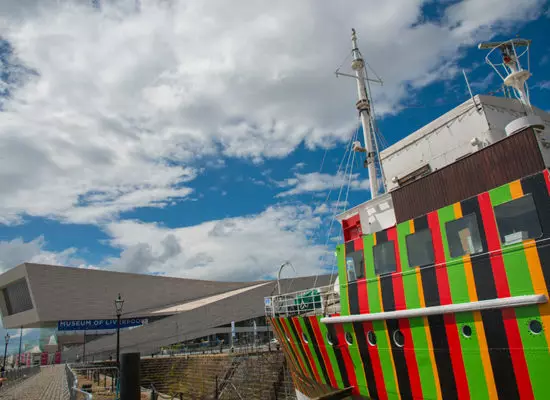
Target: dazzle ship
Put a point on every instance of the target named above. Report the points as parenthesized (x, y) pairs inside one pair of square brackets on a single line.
[(443, 275)]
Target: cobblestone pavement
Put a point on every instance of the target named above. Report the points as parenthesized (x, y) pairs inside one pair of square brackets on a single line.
[(49, 384)]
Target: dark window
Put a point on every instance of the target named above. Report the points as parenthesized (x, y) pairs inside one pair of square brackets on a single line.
[(17, 297), (463, 236), (384, 258), (420, 248), (518, 220), (355, 262)]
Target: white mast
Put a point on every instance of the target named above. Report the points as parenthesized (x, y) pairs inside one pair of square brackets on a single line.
[(363, 106)]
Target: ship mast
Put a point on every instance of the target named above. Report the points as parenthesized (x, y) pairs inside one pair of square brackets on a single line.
[(365, 113)]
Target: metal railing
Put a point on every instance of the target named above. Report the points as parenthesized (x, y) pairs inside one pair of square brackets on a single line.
[(16, 375), (315, 301), (75, 392)]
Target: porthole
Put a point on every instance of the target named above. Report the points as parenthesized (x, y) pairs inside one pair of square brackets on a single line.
[(304, 337), (287, 338), (466, 331), (349, 338), (329, 339), (399, 338), (371, 338), (535, 327)]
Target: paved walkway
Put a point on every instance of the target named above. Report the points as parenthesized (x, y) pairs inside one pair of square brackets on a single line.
[(49, 384)]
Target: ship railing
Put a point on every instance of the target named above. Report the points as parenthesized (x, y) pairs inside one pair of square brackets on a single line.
[(315, 301)]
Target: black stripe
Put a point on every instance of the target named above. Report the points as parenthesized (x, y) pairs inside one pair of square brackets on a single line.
[(316, 345), (338, 354), (421, 223), (442, 357), (495, 333), (365, 356), (386, 284), (381, 237), (399, 362), (301, 347), (536, 185), (353, 298), (499, 353)]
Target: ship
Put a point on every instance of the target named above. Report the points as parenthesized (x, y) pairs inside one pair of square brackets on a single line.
[(443, 275)]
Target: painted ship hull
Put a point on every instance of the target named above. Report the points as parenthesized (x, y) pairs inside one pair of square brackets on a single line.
[(450, 330)]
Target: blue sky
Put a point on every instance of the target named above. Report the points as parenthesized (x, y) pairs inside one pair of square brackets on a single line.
[(187, 139)]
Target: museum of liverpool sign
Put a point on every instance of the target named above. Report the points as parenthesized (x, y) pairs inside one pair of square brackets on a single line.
[(99, 324)]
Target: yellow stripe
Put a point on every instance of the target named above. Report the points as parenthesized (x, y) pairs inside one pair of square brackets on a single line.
[(485, 360), (470, 278), (411, 226), (539, 285), (515, 189), (428, 334)]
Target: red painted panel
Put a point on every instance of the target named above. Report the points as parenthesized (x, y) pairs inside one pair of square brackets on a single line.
[(350, 369), (376, 365), (322, 347)]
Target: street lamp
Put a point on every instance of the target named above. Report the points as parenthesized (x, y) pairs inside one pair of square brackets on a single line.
[(119, 302), (7, 338)]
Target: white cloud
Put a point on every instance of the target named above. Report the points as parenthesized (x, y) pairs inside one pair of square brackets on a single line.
[(123, 103), (319, 182), (17, 251), (242, 248)]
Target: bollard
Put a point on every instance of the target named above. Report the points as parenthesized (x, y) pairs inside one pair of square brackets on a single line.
[(129, 376)]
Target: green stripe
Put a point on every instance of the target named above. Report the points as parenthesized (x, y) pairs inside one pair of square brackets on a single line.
[(470, 347), (359, 368), (331, 354), (384, 351), (343, 279), (418, 332), (372, 282), (312, 350), (535, 347)]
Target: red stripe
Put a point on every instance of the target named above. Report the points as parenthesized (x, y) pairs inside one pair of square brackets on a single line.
[(503, 290), (493, 245), (322, 347), (546, 174), (376, 364), (400, 304), (350, 369), (362, 283), (309, 356), (444, 290)]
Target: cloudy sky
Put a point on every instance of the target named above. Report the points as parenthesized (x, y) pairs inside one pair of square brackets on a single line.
[(203, 139)]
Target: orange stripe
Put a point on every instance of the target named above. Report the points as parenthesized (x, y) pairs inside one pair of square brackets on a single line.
[(539, 286), (516, 190), (428, 334), (470, 278)]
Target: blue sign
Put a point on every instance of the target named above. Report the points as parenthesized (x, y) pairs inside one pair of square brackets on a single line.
[(98, 324)]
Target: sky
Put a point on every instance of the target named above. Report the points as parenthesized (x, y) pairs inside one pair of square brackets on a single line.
[(204, 139)]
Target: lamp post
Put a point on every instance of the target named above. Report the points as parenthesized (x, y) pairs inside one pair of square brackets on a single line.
[(119, 302), (7, 338), (20, 342)]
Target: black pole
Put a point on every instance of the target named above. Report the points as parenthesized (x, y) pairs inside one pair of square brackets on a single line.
[(117, 340), (5, 354), (129, 377), (20, 340), (84, 350)]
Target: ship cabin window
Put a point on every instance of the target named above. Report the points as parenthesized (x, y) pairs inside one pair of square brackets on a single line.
[(463, 236), (518, 220), (355, 265), (420, 248), (384, 258)]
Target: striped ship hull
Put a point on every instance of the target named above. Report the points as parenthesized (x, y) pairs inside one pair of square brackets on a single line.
[(485, 354)]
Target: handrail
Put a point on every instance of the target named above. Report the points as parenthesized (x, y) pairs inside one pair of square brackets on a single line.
[(72, 383)]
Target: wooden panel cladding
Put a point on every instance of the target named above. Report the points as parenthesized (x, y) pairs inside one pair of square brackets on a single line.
[(509, 159)]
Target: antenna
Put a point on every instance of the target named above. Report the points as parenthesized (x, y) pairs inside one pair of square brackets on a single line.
[(364, 108), (505, 58)]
